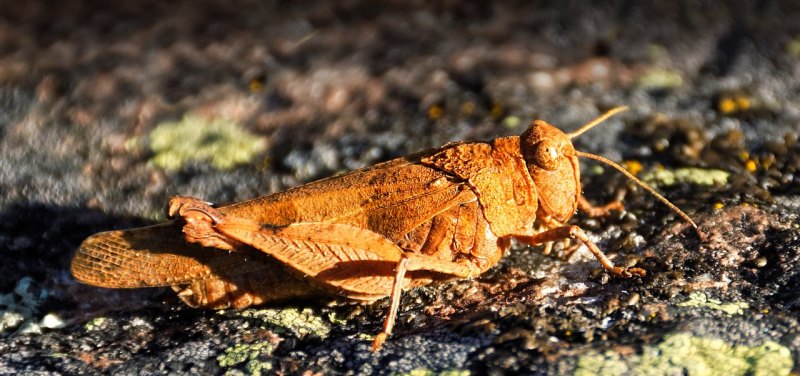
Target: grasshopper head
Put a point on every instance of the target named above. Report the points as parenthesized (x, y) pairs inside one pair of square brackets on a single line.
[(553, 166)]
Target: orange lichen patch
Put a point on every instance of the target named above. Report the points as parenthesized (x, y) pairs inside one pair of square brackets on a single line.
[(730, 104), (497, 111), (751, 165), (634, 167), (255, 86), (742, 102), (468, 108), (767, 161), (435, 112), (744, 156), (726, 106)]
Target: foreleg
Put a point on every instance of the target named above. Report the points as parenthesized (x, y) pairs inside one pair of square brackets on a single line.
[(575, 232)]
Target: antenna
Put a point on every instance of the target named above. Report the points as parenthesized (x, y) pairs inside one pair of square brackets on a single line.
[(619, 168), (661, 198), (598, 120)]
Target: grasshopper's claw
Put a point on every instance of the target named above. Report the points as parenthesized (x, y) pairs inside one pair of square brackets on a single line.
[(637, 271), (628, 272), (377, 343)]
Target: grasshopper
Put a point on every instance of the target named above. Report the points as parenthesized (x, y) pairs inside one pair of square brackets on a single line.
[(437, 215)]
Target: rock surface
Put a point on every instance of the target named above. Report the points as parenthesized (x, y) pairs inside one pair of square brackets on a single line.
[(94, 97)]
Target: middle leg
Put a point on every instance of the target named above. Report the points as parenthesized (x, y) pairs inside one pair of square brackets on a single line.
[(598, 211), (414, 262)]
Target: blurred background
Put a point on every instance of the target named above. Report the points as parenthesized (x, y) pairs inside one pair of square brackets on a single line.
[(109, 108)]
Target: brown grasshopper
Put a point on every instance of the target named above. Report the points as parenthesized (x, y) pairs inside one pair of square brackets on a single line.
[(432, 216)]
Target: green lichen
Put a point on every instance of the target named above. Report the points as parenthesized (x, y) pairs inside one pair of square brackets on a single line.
[(455, 372), (685, 354), (427, 372), (365, 336), (793, 47), (98, 323), (691, 175), (300, 322), (511, 122), (595, 170), (606, 364), (660, 78), (133, 145), (335, 319), (217, 141), (699, 299), (253, 355)]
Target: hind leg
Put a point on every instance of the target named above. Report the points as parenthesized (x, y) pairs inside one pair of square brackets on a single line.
[(200, 217)]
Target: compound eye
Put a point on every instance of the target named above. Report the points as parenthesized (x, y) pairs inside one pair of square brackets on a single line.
[(546, 156)]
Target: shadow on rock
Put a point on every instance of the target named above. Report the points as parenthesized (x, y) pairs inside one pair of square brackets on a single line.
[(38, 240)]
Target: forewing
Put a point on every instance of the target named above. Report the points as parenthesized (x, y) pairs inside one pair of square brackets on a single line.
[(390, 199)]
